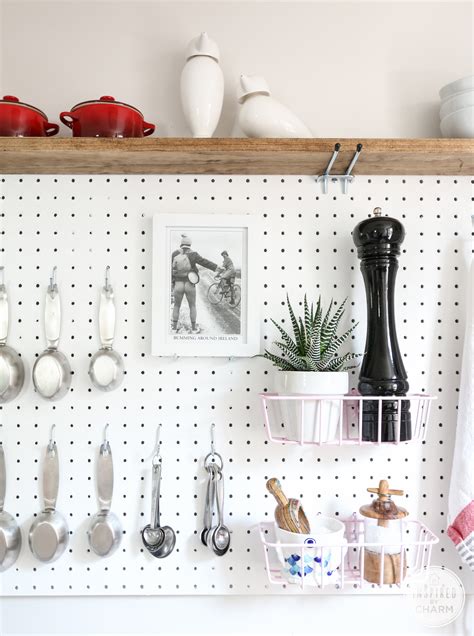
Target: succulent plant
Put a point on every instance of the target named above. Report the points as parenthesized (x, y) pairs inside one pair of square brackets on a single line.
[(315, 343)]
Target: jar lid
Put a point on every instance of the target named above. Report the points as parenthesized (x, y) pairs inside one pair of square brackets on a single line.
[(11, 99), (383, 507), (106, 99), (251, 84), (202, 45)]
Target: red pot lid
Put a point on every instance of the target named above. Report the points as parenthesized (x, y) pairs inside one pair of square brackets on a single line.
[(11, 99), (106, 99)]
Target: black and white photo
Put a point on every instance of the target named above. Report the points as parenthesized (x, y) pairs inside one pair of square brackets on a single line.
[(201, 276)]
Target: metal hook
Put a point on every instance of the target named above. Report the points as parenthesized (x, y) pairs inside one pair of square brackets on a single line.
[(349, 169), (213, 448), (52, 441), (156, 459), (107, 286), (2, 275), (106, 441), (53, 286)]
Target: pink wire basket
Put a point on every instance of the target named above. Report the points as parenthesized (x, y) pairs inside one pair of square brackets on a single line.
[(336, 419), (413, 553)]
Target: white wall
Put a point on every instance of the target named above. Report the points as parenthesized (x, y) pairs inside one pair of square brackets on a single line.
[(355, 69), (349, 69)]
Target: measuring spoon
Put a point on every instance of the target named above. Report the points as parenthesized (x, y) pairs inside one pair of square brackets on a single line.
[(10, 534), (106, 368), (159, 541), (52, 371), (12, 369), (105, 530), (49, 533), (218, 538)]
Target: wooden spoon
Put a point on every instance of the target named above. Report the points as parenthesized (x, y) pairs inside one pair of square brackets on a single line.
[(289, 514)]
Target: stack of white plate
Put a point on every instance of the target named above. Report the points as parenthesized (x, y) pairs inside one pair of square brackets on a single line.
[(457, 108)]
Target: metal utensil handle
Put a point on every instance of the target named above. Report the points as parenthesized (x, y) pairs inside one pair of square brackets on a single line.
[(3, 478), (155, 495), (3, 315), (105, 477), (210, 497), (107, 317), (220, 498), (51, 477), (52, 317)]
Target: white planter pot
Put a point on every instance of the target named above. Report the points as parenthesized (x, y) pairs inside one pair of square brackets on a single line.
[(321, 419), (202, 87)]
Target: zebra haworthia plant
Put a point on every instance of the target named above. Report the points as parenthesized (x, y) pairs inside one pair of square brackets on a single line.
[(315, 343)]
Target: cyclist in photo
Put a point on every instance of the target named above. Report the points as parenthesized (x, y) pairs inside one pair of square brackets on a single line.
[(227, 274), (184, 278)]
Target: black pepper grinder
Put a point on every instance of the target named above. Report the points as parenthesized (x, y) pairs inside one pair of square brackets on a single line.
[(378, 241)]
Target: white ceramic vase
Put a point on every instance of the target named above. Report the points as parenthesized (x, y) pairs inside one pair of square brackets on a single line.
[(263, 116), (318, 420), (202, 86)]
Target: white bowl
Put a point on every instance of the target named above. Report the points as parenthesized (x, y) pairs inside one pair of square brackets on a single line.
[(463, 84), (459, 124), (456, 102)]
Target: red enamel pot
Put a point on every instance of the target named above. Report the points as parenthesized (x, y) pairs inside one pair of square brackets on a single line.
[(22, 120), (106, 117)]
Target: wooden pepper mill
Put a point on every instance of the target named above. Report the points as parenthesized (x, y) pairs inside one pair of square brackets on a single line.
[(382, 525)]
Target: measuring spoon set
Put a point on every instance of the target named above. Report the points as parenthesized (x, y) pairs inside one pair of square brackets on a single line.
[(52, 375)]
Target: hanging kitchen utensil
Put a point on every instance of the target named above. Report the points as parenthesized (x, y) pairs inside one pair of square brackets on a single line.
[(158, 540), (49, 533), (51, 372), (289, 513), (106, 367), (218, 537), (382, 372), (105, 530), (12, 369), (383, 526), (209, 502), (10, 534)]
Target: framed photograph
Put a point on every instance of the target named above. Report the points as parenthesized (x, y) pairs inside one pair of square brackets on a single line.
[(204, 273)]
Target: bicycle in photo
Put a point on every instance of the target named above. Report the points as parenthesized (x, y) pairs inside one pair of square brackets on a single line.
[(221, 291)]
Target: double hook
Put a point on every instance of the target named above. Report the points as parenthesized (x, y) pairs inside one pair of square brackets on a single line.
[(345, 178)]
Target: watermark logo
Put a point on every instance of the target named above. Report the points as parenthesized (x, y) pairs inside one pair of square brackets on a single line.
[(436, 596)]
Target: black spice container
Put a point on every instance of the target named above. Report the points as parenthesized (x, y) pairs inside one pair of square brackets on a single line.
[(378, 241)]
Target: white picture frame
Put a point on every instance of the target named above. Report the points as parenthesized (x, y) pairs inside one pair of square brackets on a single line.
[(226, 324)]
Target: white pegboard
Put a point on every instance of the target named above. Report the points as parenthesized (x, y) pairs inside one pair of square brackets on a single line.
[(83, 223)]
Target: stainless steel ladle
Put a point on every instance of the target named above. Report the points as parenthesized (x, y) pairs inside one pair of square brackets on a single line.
[(158, 540), (106, 369), (12, 369), (10, 534)]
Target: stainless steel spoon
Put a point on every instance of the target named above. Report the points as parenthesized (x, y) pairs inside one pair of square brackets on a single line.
[(218, 538), (209, 503), (12, 369), (158, 540), (10, 534), (52, 372), (105, 530), (49, 533), (106, 368)]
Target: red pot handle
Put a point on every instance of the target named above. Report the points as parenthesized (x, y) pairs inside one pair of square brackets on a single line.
[(51, 129), (65, 121), (148, 129)]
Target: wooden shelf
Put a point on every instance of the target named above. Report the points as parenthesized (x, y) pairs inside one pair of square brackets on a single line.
[(233, 156)]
